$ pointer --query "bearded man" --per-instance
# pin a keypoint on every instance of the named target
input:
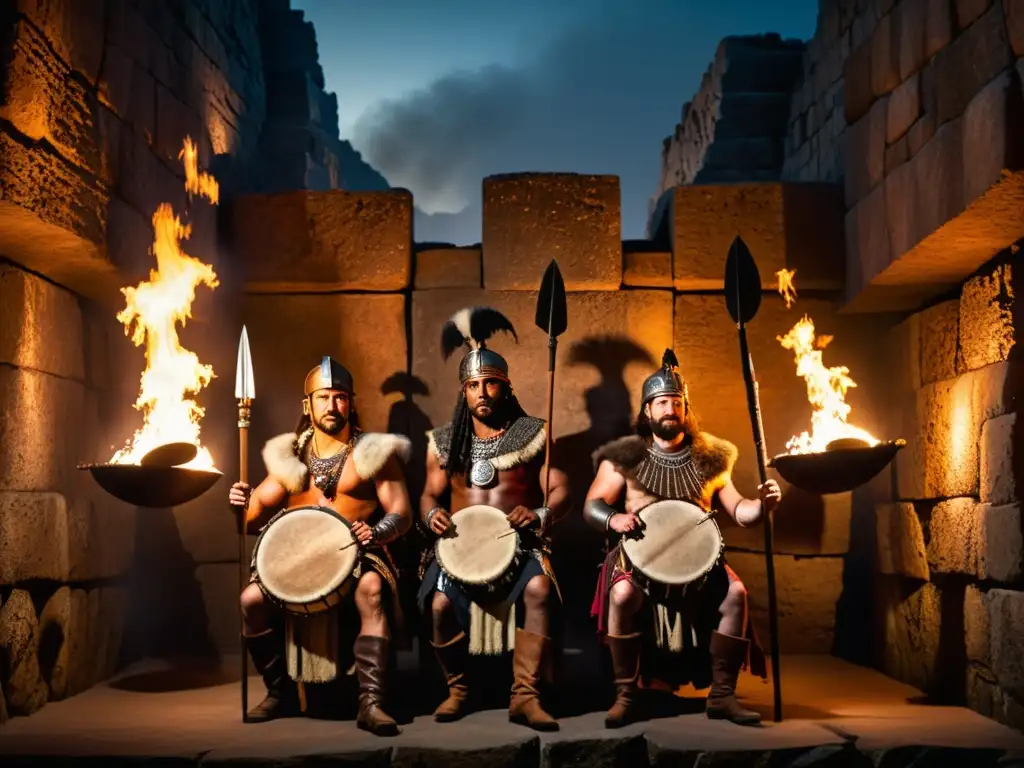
(329, 461)
(491, 453)
(671, 458)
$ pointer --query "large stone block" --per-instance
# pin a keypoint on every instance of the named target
(531, 218)
(1006, 626)
(613, 342)
(43, 101)
(977, 630)
(1000, 460)
(904, 109)
(900, 541)
(969, 10)
(808, 591)
(953, 537)
(986, 326)
(1014, 11)
(942, 429)
(33, 537)
(448, 268)
(647, 270)
(938, 27)
(857, 92)
(40, 325)
(218, 583)
(910, 29)
(991, 136)
(24, 688)
(910, 625)
(998, 389)
(885, 56)
(289, 335)
(973, 59)
(865, 152)
(1001, 543)
(939, 324)
(786, 226)
(36, 453)
(868, 240)
(708, 351)
(324, 241)
(74, 30)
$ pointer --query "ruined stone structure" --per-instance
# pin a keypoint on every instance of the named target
(915, 108)
(88, 584)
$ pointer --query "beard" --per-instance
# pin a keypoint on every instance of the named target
(331, 423)
(667, 428)
(490, 412)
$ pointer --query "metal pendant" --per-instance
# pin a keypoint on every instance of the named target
(482, 474)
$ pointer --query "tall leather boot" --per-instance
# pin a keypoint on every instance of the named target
(727, 656)
(527, 660)
(625, 650)
(452, 656)
(371, 668)
(282, 700)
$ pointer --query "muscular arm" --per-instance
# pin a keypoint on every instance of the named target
(604, 492)
(266, 499)
(394, 499)
(559, 500)
(745, 512)
(435, 487)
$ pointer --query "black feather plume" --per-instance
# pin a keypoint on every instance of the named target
(451, 339)
(484, 322)
(669, 359)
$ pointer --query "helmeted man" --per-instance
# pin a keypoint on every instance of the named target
(491, 453)
(671, 458)
(329, 461)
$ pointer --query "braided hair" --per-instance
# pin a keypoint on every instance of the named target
(460, 449)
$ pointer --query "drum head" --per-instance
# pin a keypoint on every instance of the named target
(673, 548)
(471, 551)
(299, 557)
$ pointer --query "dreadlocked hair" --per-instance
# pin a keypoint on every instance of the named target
(460, 450)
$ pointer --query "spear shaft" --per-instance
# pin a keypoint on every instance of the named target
(245, 393)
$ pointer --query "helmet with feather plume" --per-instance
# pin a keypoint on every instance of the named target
(472, 327)
(665, 381)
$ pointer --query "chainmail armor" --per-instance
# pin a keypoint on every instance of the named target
(518, 435)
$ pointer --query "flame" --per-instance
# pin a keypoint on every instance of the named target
(826, 391)
(786, 288)
(155, 307)
(196, 183)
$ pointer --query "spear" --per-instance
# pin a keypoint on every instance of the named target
(245, 393)
(552, 319)
(742, 299)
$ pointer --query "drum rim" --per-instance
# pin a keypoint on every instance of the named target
(718, 554)
(281, 513)
(517, 551)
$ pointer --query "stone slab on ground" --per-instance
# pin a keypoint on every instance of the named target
(833, 711)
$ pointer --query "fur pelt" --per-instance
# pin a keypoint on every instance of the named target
(373, 449)
(506, 461)
(371, 453)
(282, 463)
(713, 456)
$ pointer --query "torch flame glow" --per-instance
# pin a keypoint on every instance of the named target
(786, 287)
(826, 387)
(155, 307)
(196, 183)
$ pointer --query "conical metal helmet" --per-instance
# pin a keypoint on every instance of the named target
(330, 374)
(665, 381)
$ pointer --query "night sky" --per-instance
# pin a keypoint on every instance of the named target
(437, 94)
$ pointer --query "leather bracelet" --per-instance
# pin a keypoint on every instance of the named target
(431, 513)
(388, 528)
(543, 513)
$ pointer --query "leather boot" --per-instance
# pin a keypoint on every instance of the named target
(625, 650)
(267, 652)
(728, 654)
(527, 660)
(371, 668)
(452, 656)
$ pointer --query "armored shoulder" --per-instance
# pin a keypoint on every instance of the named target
(373, 449)
(440, 439)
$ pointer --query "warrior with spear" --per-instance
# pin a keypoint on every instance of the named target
(493, 453)
(328, 461)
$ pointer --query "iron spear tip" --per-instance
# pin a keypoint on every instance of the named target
(245, 383)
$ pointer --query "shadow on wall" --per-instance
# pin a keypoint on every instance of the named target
(577, 549)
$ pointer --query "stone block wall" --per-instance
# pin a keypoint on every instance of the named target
(950, 552)
(916, 107)
(98, 97)
(734, 128)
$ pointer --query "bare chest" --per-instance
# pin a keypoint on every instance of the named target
(519, 486)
